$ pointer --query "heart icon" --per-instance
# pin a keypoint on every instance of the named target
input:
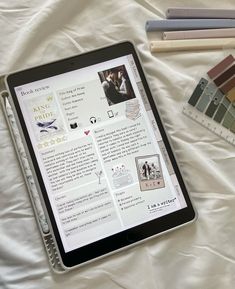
(86, 132)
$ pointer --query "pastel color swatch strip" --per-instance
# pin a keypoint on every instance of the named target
(221, 66)
(198, 91)
(209, 100)
(225, 88)
(231, 95)
(215, 99)
(225, 75)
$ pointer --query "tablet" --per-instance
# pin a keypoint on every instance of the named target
(99, 152)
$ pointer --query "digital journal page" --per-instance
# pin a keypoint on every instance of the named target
(99, 150)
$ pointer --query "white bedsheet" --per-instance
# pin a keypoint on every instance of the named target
(201, 255)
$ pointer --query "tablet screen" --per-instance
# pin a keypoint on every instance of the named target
(99, 150)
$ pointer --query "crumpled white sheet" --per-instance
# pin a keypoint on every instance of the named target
(201, 255)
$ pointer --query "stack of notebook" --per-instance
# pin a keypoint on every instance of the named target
(194, 29)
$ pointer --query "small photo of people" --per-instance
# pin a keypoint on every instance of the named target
(149, 172)
(116, 84)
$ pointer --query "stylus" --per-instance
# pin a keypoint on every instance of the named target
(177, 12)
(194, 34)
(188, 24)
(192, 44)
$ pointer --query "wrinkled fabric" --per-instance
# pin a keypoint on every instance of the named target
(201, 255)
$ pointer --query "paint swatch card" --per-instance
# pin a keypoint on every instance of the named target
(212, 102)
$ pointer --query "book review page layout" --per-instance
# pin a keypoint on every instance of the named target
(100, 153)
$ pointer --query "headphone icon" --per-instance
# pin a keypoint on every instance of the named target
(92, 119)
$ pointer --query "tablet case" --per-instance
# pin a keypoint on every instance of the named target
(39, 213)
